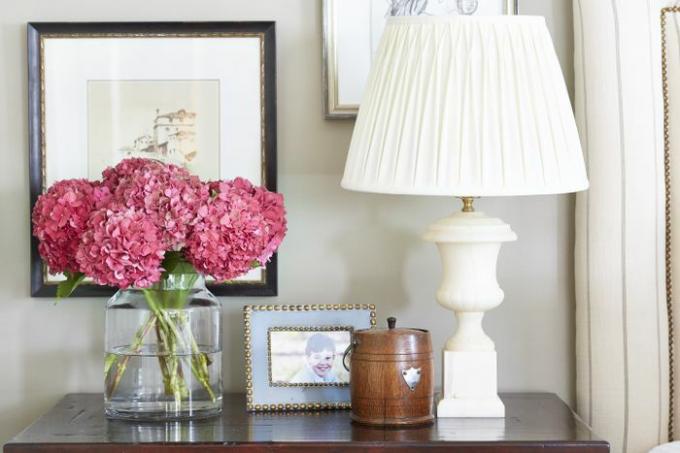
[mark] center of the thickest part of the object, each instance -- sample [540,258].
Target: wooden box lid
[392,340]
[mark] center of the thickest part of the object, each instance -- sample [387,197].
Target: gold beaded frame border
[311,406]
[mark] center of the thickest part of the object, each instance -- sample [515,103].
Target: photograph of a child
[301,358]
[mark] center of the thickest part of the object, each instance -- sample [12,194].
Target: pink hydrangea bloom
[125,169]
[101,194]
[274,217]
[239,226]
[59,220]
[168,194]
[122,247]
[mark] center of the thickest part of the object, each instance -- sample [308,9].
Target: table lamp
[466,106]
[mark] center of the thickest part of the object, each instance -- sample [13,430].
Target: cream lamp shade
[466,106]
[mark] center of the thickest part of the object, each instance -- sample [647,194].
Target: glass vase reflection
[164,351]
[168,432]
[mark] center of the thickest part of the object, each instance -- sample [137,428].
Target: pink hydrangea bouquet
[146,222]
[131,227]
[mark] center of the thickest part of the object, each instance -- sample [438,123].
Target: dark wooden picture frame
[38,32]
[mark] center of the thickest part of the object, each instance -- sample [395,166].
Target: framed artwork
[200,95]
[294,354]
[352,31]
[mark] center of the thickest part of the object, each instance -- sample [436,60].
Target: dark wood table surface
[535,422]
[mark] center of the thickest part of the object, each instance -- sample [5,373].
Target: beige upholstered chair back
[670,29]
[627,318]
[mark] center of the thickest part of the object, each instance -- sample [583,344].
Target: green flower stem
[173,336]
[200,361]
[167,344]
[173,378]
[199,365]
[135,348]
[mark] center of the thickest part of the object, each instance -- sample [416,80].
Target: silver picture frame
[335,106]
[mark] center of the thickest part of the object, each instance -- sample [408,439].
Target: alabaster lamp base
[470,388]
[469,243]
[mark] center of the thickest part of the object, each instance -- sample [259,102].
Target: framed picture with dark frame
[201,95]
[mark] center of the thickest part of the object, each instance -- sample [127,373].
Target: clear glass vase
[164,351]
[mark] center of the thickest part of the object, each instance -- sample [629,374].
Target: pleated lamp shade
[466,106]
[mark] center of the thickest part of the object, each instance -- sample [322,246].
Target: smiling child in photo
[319,359]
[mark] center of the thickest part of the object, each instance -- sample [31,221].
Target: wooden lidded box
[392,376]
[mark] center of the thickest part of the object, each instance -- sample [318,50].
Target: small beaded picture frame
[293,354]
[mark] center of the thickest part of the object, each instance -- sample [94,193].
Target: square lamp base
[470,388]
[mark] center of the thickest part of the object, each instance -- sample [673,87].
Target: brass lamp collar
[468,204]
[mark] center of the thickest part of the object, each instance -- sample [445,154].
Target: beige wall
[342,247]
